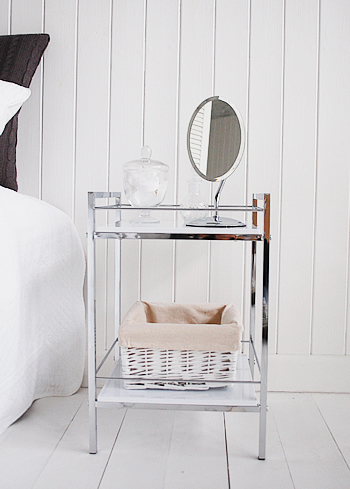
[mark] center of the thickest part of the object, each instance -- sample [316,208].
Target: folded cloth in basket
[199,327]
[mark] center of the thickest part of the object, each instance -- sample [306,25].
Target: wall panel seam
[245,263]
[143,108]
[312,298]
[75,108]
[41,129]
[281,174]
[109,94]
[144,61]
[346,323]
[249,41]
[346,333]
[9,18]
[43,15]
[177,129]
[209,258]
[108,166]
[41,109]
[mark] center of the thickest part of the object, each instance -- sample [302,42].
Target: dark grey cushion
[19,58]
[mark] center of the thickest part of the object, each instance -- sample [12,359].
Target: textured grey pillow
[19,58]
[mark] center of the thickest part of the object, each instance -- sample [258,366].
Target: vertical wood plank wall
[122,73]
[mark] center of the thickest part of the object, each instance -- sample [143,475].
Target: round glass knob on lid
[145,183]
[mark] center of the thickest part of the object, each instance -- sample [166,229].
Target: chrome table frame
[121,231]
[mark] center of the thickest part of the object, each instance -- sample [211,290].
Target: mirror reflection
[215,139]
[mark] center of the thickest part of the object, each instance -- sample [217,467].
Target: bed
[42,266]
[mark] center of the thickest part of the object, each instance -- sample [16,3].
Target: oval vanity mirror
[215,144]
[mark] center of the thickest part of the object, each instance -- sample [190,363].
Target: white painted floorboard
[308,446]
[197,456]
[27,445]
[71,466]
[246,471]
[335,411]
[313,457]
[141,451]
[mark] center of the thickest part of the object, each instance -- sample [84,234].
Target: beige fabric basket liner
[203,327]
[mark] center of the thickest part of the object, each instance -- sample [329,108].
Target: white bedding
[42,319]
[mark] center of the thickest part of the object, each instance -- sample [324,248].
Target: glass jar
[145,183]
[193,200]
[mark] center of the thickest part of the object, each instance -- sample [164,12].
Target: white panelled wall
[118,74]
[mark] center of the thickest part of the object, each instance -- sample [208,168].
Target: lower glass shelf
[241,396]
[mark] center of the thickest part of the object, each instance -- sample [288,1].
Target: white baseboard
[309,373]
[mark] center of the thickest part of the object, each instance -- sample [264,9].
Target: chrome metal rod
[117,293]
[218,194]
[160,207]
[217,199]
[183,379]
[253,297]
[117,208]
[265,323]
[106,356]
[105,195]
[255,355]
[176,207]
[174,235]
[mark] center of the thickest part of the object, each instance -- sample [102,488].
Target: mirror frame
[241,149]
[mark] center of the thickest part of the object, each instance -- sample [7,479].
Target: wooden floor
[308,447]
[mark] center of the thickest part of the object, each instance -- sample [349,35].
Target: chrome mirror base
[216,222]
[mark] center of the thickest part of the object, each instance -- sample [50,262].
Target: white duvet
[42,319]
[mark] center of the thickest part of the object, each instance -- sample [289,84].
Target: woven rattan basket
[179,346]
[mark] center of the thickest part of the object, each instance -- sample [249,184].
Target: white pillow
[12,97]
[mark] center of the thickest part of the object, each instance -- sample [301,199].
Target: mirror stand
[216,220]
[215,144]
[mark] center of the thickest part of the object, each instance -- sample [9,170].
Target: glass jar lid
[145,162]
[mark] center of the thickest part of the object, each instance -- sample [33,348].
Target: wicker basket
[160,353]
